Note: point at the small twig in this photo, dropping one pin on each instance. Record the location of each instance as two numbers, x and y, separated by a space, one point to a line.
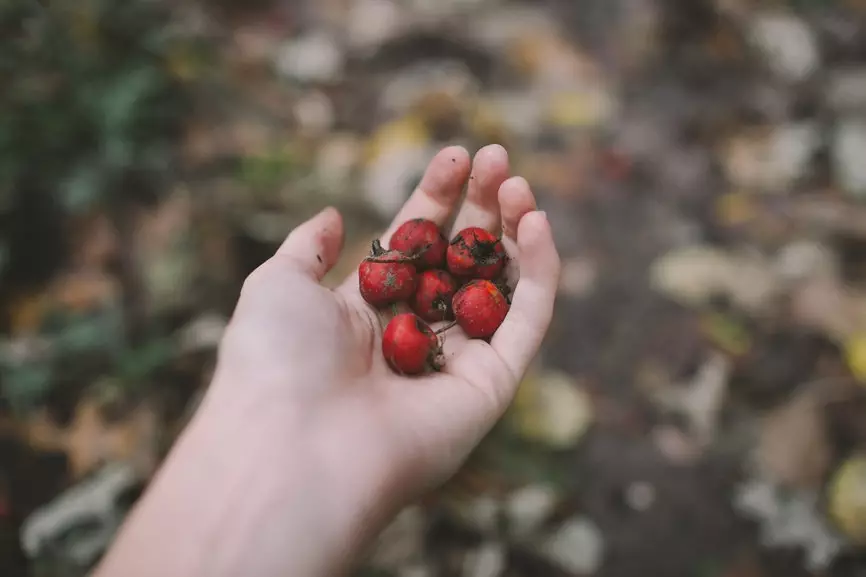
446 327
393 261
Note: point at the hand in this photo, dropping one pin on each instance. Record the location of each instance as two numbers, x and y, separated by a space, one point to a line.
302 396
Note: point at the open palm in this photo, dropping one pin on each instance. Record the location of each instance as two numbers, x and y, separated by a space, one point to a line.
319 349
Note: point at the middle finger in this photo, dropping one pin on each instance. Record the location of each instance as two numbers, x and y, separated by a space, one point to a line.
481 207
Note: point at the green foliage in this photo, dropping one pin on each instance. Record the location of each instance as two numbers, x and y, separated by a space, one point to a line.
135 364
26 384
88 96
89 111
28 379
267 171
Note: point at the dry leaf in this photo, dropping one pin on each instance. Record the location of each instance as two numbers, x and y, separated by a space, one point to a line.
552 409
701 400
578 546
793 449
847 498
693 275
26 313
90 441
85 290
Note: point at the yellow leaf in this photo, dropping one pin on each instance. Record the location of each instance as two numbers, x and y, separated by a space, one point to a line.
550 408
26 313
183 64
847 499
855 355
726 333
486 122
579 109
83 25
735 208
409 131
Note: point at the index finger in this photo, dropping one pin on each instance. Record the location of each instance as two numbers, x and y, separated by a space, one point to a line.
438 192
436 196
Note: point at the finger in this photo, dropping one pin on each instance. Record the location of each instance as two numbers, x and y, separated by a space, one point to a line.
434 199
314 246
438 192
515 200
518 338
481 207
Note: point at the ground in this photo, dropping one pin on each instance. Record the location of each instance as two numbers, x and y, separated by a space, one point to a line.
698 406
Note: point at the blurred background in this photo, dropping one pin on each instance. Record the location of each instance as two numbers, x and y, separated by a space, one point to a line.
699 406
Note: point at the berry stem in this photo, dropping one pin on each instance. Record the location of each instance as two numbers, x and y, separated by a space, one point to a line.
392 261
394 310
446 327
377 248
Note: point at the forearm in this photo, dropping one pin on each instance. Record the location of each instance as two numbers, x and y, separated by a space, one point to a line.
226 490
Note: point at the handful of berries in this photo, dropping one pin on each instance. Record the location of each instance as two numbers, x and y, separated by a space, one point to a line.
461 281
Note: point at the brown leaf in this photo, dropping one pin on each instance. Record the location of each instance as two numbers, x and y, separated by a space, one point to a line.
794 449
96 241
26 312
90 440
84 290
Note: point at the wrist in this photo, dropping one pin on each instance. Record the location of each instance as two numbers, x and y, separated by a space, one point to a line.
268 483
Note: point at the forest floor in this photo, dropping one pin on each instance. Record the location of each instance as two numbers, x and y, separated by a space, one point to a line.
698 408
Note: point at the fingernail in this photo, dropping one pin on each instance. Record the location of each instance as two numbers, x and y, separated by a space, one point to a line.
542 213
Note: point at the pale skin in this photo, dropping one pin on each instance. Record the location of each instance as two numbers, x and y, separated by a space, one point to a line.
306 444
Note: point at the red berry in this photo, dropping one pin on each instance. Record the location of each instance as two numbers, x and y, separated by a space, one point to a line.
479 308
432 300
476 253
386 277
421 238
410 346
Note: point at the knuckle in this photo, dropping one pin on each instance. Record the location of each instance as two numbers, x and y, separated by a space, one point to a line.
260 277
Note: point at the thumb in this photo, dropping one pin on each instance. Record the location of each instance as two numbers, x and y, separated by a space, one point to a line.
314 246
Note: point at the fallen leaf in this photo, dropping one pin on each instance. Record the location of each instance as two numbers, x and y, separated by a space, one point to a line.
855 355
789 519
488 560
94 505
85 290
693 275
726 332
164 249
26 313
847 498
577 546
314 57
701 399
371 23
528 508
580 109
480 512
552 409
674 444
788 43
90 440
736 208
794 449
578 277
96 241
